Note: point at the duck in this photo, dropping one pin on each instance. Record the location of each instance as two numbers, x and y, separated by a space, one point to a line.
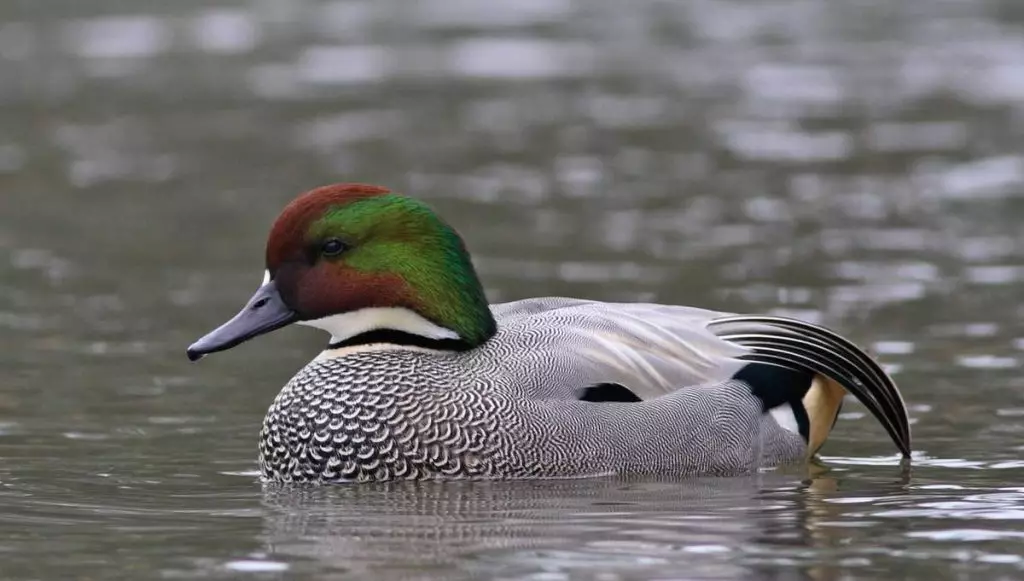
423 379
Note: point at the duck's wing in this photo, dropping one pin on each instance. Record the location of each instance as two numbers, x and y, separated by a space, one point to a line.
651 349
568 347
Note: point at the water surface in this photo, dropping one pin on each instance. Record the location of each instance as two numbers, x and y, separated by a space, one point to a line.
855 164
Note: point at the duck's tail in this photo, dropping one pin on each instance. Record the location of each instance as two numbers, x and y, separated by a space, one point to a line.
811 368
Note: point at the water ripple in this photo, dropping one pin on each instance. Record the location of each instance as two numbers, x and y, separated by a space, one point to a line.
856 165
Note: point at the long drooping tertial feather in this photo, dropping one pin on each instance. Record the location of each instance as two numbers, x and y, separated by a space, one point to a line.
804 346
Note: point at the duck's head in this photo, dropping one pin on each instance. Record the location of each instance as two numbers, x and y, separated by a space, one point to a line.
365 265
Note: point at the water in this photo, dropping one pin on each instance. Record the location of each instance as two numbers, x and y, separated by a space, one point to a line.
856 164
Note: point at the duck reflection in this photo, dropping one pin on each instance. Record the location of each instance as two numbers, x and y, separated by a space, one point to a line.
609 528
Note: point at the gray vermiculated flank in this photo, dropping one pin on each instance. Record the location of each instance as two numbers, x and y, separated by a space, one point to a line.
509 409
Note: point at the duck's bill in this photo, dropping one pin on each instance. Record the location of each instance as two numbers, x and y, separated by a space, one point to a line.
264 313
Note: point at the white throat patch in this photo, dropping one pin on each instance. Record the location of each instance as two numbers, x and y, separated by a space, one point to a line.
348 325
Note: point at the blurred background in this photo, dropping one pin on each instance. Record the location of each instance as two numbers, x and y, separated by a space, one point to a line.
857 163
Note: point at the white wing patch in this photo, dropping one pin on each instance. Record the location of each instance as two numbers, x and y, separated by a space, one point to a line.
784 416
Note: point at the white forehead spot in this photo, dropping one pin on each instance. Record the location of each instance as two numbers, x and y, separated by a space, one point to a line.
266 277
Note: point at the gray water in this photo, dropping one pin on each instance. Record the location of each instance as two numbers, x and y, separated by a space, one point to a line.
856 164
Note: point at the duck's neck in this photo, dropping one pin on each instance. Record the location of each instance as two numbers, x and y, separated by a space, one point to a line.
442 289
390 326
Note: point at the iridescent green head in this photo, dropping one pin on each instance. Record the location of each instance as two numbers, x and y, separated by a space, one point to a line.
358 261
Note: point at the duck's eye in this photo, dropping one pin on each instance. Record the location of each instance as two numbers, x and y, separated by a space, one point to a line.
332 247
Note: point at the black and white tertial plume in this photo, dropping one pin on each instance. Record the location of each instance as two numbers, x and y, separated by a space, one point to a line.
825 360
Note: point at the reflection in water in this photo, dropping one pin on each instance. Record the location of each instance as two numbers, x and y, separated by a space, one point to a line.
703 527
855 164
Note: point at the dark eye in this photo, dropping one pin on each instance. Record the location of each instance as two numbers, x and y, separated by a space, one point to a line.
332 247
